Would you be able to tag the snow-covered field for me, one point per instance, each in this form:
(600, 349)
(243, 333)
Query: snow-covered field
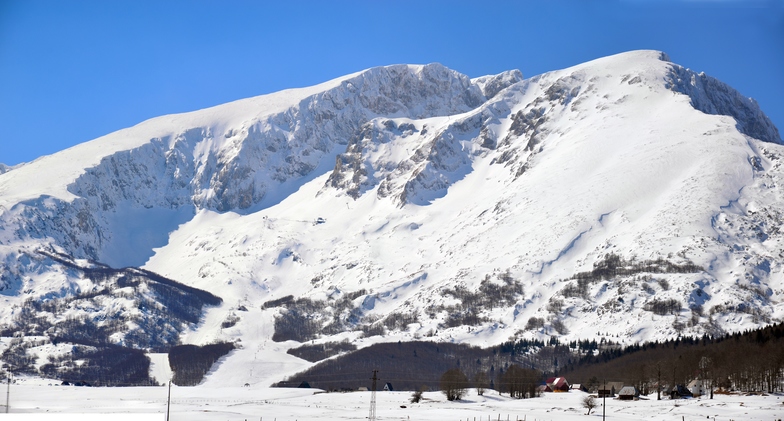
(248, 403)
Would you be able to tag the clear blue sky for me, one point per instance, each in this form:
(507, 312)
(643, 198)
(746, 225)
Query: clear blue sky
(71, 71)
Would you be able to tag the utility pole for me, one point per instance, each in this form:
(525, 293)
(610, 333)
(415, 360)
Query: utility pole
(372, 416)
(8, 393)
(604, 399)
(168, 402)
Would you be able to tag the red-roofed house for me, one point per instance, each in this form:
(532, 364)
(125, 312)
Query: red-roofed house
(557, 384)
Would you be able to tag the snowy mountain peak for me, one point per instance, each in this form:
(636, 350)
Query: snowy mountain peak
(627, 198)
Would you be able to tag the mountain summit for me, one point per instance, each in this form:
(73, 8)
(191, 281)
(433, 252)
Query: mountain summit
(626, 198)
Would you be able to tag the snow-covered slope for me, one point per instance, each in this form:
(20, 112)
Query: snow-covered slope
(626, 197)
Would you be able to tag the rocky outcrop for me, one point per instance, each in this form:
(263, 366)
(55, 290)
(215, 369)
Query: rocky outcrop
(712, 96)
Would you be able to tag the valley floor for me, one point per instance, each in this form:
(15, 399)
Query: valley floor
(247, 403)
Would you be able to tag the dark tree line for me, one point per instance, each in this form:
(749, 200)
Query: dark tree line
(189, 363)
(663, 307)
(400, 321)
(520, 383)
(614, 265)
(747, 361)
(414, 365)
(323, 351)
(407, 365)
(296, 324)
(106, 366)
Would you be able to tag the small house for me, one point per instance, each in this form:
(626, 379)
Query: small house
(362, 389)
(679, 392)
(557, 384)
(697, 387)
(628, 393)
(578, 387)
(304, 385)
(609, 389)
(388, 388)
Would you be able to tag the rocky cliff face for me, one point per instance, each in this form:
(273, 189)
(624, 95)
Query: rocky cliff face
(627, 197)
(237, 168)
(712, 96)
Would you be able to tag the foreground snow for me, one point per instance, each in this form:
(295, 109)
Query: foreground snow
(201, 403)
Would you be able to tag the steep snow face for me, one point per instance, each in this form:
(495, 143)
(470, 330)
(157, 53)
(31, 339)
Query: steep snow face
(626, 198)
(127, 202)
(711, 96)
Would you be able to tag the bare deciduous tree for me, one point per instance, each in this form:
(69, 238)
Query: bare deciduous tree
(589, 403)
(417, 396)
(481, 381)
(453, 384)
(519, 382)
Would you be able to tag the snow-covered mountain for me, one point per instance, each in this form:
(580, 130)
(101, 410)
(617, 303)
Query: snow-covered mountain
(627, 198)
(5, 168)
